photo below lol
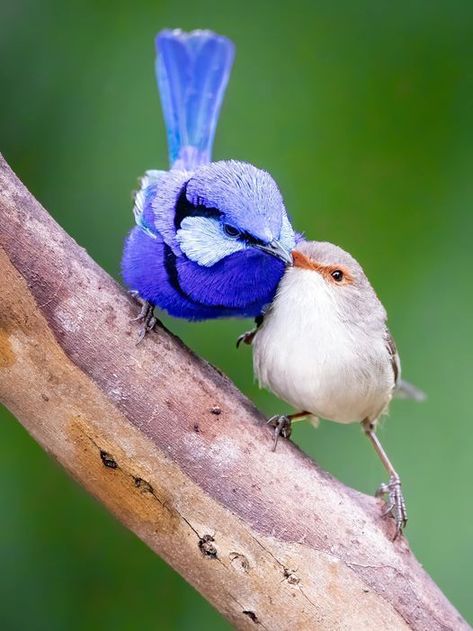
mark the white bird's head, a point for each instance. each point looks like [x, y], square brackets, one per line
[330, 279]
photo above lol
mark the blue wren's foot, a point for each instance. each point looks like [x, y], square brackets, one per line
[282, 427]
[146, 316]
[395, 503]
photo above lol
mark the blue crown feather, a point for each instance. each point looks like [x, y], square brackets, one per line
[193, 71]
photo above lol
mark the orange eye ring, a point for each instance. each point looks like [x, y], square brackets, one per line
[339, 274]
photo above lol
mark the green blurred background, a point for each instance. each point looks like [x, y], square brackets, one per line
[363, 112]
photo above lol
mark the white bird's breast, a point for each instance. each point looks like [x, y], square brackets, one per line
[309, 356]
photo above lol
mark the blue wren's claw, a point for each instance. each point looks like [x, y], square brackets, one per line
[282, 427]
[146, 316]
[395, 504]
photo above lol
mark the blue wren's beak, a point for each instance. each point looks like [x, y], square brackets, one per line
[276, 249]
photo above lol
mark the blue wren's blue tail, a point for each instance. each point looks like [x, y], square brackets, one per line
[193, 71]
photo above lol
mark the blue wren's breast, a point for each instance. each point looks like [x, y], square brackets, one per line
[239, 285]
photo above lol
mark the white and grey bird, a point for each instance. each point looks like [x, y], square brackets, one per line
[323, 346]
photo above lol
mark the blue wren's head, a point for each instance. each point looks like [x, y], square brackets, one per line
[231, 207]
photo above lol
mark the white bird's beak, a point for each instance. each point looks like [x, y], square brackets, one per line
[276, 249]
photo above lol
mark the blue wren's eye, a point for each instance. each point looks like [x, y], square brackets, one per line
[231, 231]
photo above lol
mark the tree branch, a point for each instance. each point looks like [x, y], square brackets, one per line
[171, 447]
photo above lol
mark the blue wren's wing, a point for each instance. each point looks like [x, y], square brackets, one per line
[143, 197]
[192, 70]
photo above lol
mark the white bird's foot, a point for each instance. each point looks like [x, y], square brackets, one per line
[282, 427]
[246, 337]
[146, 316]
[395, 503]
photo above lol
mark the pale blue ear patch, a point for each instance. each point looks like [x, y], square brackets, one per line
[203, 241]
[287, 238]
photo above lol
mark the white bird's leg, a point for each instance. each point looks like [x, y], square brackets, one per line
[283, 425]
[146, 316]
[396, 506]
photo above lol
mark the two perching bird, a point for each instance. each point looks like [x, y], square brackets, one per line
[213, 240]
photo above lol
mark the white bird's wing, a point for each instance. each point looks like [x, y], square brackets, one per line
[402, 389]
[394, 356]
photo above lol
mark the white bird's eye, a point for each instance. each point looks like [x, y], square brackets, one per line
[231, 231]
[337, 275]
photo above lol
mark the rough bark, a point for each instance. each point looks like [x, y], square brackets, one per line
[171, 447]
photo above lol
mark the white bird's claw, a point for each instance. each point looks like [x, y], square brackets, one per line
[282, 427]
[246, 337]
[395, 503]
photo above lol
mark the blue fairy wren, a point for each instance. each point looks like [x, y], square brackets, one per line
[211, 238]
[324, 347]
